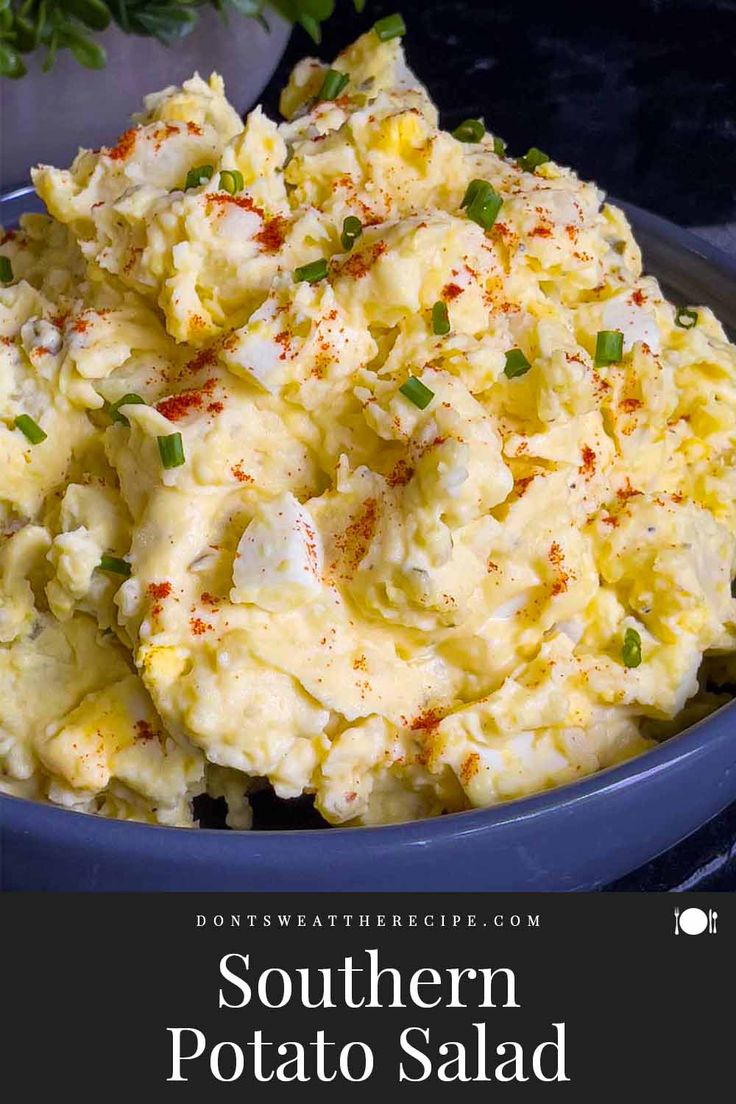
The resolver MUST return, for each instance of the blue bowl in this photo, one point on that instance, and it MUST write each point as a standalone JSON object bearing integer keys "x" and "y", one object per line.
{"x": 576, "y": 837}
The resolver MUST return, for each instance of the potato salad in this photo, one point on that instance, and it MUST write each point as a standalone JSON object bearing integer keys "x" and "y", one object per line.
{"x": 350, "y": 456}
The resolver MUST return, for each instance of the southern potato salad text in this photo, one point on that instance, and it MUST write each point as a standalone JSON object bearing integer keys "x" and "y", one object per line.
{"x": 348, "y": 454}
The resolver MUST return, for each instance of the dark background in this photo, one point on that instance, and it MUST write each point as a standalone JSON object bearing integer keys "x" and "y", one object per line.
{"x": 639, "y": 95}
{"x": 94, "y": 980}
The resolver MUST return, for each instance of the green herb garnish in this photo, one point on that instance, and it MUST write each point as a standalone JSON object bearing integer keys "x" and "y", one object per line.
{"x": 472, "y": 130}
{"x": 115, "y": 565}
{"x": 332, "y": 85}
{"x": 609, "y": 347}
{"x": 416, "y": 392}
{"x": 631, "y": 649}
{"x": 131, "y": 399}
{"x": 532, "y": 159}
{"x": 231, "y": 181}
{"x": 30, "y": 429}
{"x": 516, "y": 364}
{"x": 198, "y": 176}
{"x": 392, "y": 26}
{"x": 312, "y": 272}
{"x": 440, "y": 319}
{"x": 352, "y": 228}
{"x": 686, "y": 318}
{"x": 171, "y": 450}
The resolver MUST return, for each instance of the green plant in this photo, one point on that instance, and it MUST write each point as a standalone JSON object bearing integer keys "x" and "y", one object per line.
{"x": 53, "y": 25}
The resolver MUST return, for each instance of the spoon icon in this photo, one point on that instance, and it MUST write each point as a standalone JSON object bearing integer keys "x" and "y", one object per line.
{"x": 712, "y": 921}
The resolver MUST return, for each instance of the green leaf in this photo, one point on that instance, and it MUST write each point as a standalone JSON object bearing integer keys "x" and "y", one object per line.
{"x": 84, "y": 50}
{"x": 253, "y": 9}
{"x": 11, "y": 63}
{"x": 165, "y": 22}
{"x": 25, "y": 35}
{"x": 48, "y": 61}
{"x": 312, "y": 27}
{"x": 93, "y": 13}
{"x": 318, "y": 9}
{"x": 359, "y": 5}
{"x": 119, "y": 11}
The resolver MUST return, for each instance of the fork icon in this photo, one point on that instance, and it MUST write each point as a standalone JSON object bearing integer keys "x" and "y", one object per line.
{"x": 677, "y": 921}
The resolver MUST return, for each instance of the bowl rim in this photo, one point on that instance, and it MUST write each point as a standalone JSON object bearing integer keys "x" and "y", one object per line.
{"x": 27, "y": 813}
{"x": 678, "y": 749}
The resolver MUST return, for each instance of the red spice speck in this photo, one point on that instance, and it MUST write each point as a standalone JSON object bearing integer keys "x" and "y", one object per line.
{"x": 176, "y": 407}
{"x": 626, "y": 492}
{"x": 240, "y": 475}
{"x": 284, "y": 340}
{"x": 555, "y": 556}
{"x": 427, "y": 720}
{"x": 451, "y": 291}
{"x": 124, "y": 145}
{"x": 359, "y": 264}
{"x": 587, "y": 468}
{"x": 199, "y": 627}
{"x": 159, "y": 590}
{"x": 273, "y": 234}
{"x": 222, "y": 199}
{"x": 400, "y": 475}
{"x": 144, "y": 731}
{"x": 205, "y": 358}
{"x": 354, "y": 542}
{"x": 469, "y": 767}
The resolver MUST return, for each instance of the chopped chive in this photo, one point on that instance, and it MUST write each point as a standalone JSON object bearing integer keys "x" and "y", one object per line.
{"x": 115, "y": 565}
{"x": 686, "y": 318}
{"x": 332, "y": 85}
{"x": 30, "y": 429}
{"x": 416, "y": 392}
{"x": 6, "y": 270}
{"x": 482, "y": 202}
{"x": 358, "y": 5}
{"x": 609, "y": 347}
{"x": 392, "y": 26}
{"x": 499, "y": 147}
{"x": 312, "y": 272}
{"x": 440, "y": 319}
{"x": 532, "y": 159}
{"x": 631, "y": 649}
{"x": 472, "y": 130}
{"x": 197, "y": 176}
{"x": 231, "y": 181}
{"x": 130, "y": 399}
{"x": 516, "y": 364}
{"x": 474, "y": 188}
{"x": 352, "y": 228}
{"x": 171, "y": 450}
{"x": 619, "y": 246}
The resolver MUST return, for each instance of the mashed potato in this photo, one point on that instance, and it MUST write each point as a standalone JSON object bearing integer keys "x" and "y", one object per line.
{"x": 415, "y": 512}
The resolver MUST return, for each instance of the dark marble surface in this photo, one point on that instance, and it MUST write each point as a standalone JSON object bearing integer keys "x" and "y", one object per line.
{"x": 639, "y": 96}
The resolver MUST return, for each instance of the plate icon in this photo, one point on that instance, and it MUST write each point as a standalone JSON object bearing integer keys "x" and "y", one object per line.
{"x": 693, "y": 921}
